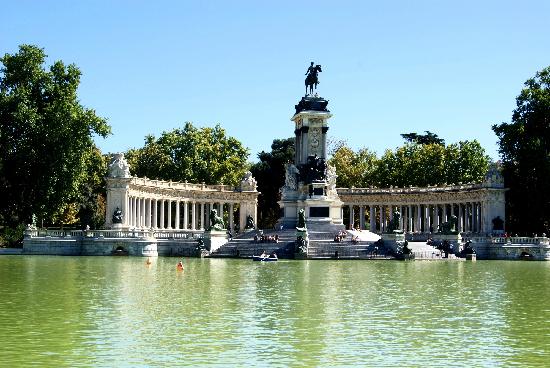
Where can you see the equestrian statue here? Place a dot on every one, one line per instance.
(312, 78)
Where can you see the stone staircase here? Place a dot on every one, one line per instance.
(244, 245)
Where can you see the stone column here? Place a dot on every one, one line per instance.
(427, 218)
(193, 215)
(410, 218)
(362, 217)
(162, 213)
(372, 215)
(131, 212)
(230, 217)
(125, 207)
(459, 217)
(418, 219)
(202, 216)
(351, 217)
(148, 213)
(138, 212)
(154, 210)
(474, 218)
(436, 218)
(444, 214)
(177, 220)
(382, 218)
(169, 213)
(185, 216)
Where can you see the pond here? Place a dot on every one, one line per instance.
(117, 311)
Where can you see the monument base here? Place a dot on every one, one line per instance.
(393, 241)
(214, 239)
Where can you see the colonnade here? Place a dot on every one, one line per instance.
(175, 214)
(423, 218)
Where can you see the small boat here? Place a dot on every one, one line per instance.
(264, 259)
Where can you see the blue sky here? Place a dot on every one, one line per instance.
(389, 67)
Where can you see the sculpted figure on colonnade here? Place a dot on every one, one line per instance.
(216, 222)
(250, 222)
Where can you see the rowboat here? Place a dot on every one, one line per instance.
(263, 259)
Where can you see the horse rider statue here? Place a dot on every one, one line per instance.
(312, 77)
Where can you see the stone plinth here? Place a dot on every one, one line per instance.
(214, 239)
(454, 239)
(393, 240)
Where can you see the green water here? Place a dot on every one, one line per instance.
(109, 311)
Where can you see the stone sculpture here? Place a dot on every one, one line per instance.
(394, 223)
(312, 78)
(301, 219)
(250, 222)
(300, 245)
(216, 222)
(117, 216)
(119, 168)
(248, 183)
(498, 223)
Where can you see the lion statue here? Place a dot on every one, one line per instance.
(216, 222)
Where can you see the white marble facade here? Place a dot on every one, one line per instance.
(158, 204)
(424, 209)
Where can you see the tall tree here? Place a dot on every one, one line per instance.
(354, 169)
(524, 146)
(270, 174)
(45, 136)
(191, 154)
(412, 164)
(428, 138)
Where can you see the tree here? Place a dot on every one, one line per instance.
(270, 174)
(428, 138)
(412, 164)
(205, 155)
(524, 147)
(45, 137)
(354, 169)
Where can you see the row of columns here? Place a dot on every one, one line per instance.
(420, 217)
(157, 213)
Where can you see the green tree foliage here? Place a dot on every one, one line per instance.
(45, 137)
(412, 164)
(270, 174)
(524, 146)
(428, 138)
(354, 169)
(191, 154)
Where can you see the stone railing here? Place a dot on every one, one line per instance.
(411, 190)
(131, 233)
(181, 186)
(514, 240)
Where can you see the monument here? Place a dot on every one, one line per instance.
(310, 183)
(216, 235)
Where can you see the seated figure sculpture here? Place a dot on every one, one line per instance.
(117, 216)
(216, 222)
(250, 222)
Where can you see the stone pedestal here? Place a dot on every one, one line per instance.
(214, 239)
(309, 183)
(394, 240)
(454, 239)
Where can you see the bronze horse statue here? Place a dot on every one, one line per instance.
(312, 78)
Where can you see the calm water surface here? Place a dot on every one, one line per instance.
(109, 311)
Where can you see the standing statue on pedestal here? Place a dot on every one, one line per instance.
(301, 220)
(312, 77)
